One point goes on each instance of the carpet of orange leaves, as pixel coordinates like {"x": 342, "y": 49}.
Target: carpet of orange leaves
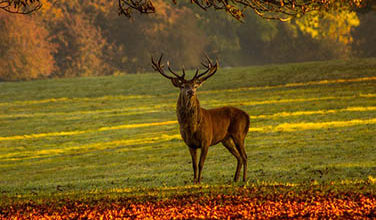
{"x": 244, "y": 204}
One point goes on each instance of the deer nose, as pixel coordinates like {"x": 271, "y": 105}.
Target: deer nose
{"x": 190, "y": 92}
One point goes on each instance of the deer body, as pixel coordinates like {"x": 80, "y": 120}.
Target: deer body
{"x": 201, "y": 128}
{"x": 198, "y": 125}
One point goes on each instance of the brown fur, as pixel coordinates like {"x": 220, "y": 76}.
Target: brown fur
{"x": 201, "y": 128}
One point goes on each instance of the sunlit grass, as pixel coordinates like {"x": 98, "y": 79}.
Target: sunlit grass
{"x": 119, "y": 134}
{"x": 287, "y": 127}
{"x": 129, "y": 111}
{"x": 65, "y": 99}
{"x": 50, "y": 152}
{"x": 122, "y": 98}
{"x": 319, "y": 112}
{"x": 289, "y": 85}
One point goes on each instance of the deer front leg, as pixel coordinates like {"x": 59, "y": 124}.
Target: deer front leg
{"x": 193, "y": 152}
{"x": 204, "y": 152}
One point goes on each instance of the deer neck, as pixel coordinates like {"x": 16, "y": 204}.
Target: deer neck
{"x": 189, "y": 112}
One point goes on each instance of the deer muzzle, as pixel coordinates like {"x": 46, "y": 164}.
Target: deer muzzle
{"x": 190, "y": 93}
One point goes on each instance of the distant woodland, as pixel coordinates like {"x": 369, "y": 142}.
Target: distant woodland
{"x": 71, "y": 38}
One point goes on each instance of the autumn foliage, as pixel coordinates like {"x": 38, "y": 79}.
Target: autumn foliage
{"x": 82, "y": 47}
{"x": 26, "y": 51}
{"x": 88, "y": 38}
{"x": 243, "y": 203}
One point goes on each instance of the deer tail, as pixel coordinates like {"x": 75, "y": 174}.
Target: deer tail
{"x": 246, "y": 129}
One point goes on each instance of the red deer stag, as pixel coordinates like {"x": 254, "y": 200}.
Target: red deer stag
{"x": 201, "y": 128}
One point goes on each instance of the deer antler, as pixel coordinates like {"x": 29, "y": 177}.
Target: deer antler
{"x": 210, "y": 70}
{"x": 159, "y": 67}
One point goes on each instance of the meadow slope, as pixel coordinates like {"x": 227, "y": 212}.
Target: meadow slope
{"x": 310, "y": 123}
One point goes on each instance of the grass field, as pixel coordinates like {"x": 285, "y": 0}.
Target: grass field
{"x": 310, "y": 123}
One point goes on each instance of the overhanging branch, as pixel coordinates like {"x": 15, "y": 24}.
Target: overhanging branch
{"x": 269, "y": 9}
{"x": 20, "y": 6}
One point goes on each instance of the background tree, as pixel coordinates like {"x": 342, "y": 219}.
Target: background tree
{"x": 82, "y": 47}
{"x": 333, "y": 26}
{"x": 26, "y": 51}
{"x": 88, "y": 39}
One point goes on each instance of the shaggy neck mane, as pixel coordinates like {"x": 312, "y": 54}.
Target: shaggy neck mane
{"x": 188, "y": 112}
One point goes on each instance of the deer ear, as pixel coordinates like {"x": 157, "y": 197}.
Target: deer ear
{"x": 199, "y": 82}
{"x": 176, "y": 82}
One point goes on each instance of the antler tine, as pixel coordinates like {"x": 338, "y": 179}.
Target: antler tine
{"x": 208, "y": 59}
{"x": 209, "y": 66}
{"x": 213, "y": 70}
{"x": 198, "y": 69}
{"x": 206, "y": 66}
{"x": 160, "y": 59}
{"x": 201, "y": 74}
{"x": 154, "y": 64}
{"x": 158, "y": 67}
{"x": 183, "y": 70}
{"x": 169, "y": 68}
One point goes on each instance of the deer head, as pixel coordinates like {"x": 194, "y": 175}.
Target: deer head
{"x": 187, "y": 87}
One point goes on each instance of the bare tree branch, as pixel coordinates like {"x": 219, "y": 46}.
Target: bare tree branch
{"x": 20, "y": 6}
{"x": 270, "y": 9}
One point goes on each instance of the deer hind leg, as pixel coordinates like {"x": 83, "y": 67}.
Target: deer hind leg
{"x": 230, "y": 145}
{"x": 193, "y": 152}
{"x": 239, "y": 142}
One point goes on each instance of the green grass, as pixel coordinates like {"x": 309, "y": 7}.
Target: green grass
{"x": 92, "y": 159}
